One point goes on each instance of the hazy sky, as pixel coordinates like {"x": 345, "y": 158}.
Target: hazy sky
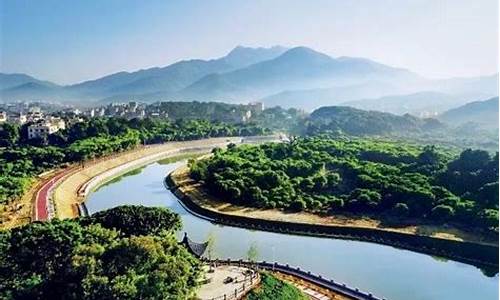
{"x": 71, "y": 41}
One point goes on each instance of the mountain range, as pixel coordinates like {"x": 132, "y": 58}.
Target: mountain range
{"x": 289, "y": 77}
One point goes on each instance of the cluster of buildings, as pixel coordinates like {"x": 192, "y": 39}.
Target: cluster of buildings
{"x": 128, "y": 110}
{"x": 252, "y": 108}
{"x": 44, "y": 119}
{"x": 40, "y": 125}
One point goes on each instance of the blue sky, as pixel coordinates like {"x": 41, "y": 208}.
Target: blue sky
{"x": 72, "y": 41}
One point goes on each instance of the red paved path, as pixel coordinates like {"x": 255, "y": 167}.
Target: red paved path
{"x": 42, "y": 196}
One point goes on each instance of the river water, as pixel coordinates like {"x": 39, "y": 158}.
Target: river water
{"x": 382, "y": 270}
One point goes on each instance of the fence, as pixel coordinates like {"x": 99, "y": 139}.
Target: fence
{"x": 254, "y": 280}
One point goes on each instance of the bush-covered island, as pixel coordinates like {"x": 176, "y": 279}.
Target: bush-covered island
{"x": 384, "y": 180}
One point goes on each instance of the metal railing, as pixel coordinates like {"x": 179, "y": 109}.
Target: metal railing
{"x": 254, "y": 279}
{"x": 319, "y": 280}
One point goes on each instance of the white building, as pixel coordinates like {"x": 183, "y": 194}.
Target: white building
{"x": 257, "y": 107}
{"x": 43, "y": 128}
{"x": 34, "y": 116}
{"x": 3, "y": 117}
{"x": 19, "y": 118}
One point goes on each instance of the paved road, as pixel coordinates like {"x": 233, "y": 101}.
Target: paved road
{"x": 44, "y": 210}
{"x": 43, "y": 196}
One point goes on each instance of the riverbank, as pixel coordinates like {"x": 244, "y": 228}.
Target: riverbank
{"x": 72, "y": 189}
{"x": 447, "y": 242}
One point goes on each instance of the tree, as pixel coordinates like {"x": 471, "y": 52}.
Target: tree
{"x": 252, "y": 252}
{"x": 442, "y": 212}
{"x": 211, "y": 240}
{"x": 298, "y": 205}
{"x": 487, "y": 195}
{"x": 336, "y": 203}
{"x": 9, "y": 134}
{"x": 429, "y": 156}
{"x": 69, "y": 260}
{"x": 488, "y": 218}
{"x": 136, "y": 220}
{"x": 401, "y": 210}
{"x": 360, "y": 176}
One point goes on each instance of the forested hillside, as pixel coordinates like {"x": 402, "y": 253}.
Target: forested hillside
{"x": 480, "y": 113}
{"x": 346, "y": 121}
{"x": 384, "y": 180}
{"x": 362, "y": 122}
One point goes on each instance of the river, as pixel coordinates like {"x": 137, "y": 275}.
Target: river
{"x": 385, "y": 271}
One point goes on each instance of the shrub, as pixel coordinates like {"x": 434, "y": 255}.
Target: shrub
{"x": 442, "y": 212}
{"x": 401, "y": 210}
{"x": 298, "y": 205}
{"x": 136, "y": 220}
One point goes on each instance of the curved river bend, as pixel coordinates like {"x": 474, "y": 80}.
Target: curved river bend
{"x": 382, "y": 270}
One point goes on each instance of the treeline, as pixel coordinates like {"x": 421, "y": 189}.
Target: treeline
{"x": 101, "y": 257}
{"x": 352, "y": 121}
{"x": 335, "y": 121}
{"x": 149, "y": 131}
{"x": 22, "y": 159}
{"x": 386, "y": 180}
{"x": 275, "y": 117}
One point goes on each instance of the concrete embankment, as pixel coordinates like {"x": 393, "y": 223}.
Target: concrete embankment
{"x": 196, "y": 201}
{"x": 71, "y": 191}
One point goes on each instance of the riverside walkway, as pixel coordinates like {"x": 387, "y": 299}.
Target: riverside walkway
{"x": 44, "y": 208}
{"x": 61, "y": 195}
{"x": 329, "y": 284}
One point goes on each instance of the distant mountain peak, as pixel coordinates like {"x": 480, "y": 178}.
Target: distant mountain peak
{"x": 242, "y": 56}
{"x": 300, "y": 55}
{"x": 305, "y": 51}
{"x": 240, "y": 48}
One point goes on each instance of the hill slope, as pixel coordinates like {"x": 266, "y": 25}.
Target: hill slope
{"x": 483, "y": 113}
{"x": 8, "y": 81}
{"x": 352, "y": 121}
{"x": 421, "y": 103}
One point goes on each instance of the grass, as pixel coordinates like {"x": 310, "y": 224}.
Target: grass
{"x": 271, "y": 288}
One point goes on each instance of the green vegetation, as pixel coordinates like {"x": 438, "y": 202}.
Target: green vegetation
{"x": 272, "y": 288}
{"x": 22, "y": 159}
{"x": 384, "y": 180}
{"x": 110, "y": 256}
{"x": 352, "y": 121}
{"x": 335, "y": 121}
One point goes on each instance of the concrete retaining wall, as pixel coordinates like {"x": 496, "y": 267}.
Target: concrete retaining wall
{"x": 472, "y": 253}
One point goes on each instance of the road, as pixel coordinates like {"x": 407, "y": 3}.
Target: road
{"x": 64, "y": 186}
{"x": 42, "y": 200}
